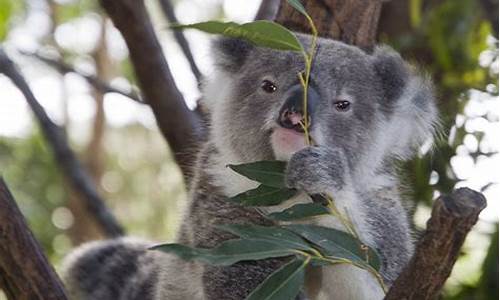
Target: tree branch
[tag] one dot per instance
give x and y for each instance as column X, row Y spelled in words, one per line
column 64, row 156
column 267, row 10
column 24, row 270
column 168, row 11
column 180, row 126
column 351, row 21
column 452, row 218
column 97, row 83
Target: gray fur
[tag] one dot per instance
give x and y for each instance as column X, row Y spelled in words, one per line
column 392, row 113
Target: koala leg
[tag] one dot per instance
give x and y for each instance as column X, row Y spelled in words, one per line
column 114, row 269
column 124, row 269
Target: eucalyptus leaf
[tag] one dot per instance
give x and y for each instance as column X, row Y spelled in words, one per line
column 283, row 284
column 269, row 173
column 269, row 233
column 229, row 252
column 6, row 9
column 261, row 33
column 298, row 6
column 337, row 244
column 300, row 211
column 263, row 196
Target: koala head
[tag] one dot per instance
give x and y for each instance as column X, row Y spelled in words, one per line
column 373, row 106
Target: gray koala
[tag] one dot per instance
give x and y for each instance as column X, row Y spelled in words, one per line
column 367, row 110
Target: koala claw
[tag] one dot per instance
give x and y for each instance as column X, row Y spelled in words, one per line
column 316, row 169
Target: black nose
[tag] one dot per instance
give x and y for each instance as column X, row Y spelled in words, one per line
column 292, row 114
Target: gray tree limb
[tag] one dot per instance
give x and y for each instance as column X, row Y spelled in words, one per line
column 168, row 11
column 64, row 156
column 267, row 10
column 97, row 83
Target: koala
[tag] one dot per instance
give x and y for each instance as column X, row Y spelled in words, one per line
column 367, row 112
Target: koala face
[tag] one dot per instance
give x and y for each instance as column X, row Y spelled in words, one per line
column 369, row 105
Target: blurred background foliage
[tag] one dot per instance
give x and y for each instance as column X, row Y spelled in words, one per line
column 455, row 41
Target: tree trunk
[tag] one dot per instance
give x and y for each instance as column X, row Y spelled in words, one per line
column 180, row 126
column 353, row 22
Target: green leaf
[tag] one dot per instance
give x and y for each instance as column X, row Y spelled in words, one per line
column 298, row 6
column 6, row 9
column 263, row 196
column 270, row 173
column 229, row 252
column 337, row 244
column 283, row 284
column 268, row 233
column 261, row 33
column 300, row 211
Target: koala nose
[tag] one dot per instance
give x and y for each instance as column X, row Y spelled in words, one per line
column 292, row 112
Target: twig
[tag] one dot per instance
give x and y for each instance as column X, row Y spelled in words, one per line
column 168, row 11
column 452, row 218
column 24, row 270
column 180, row 126
column 97, row 83
column 64, row 156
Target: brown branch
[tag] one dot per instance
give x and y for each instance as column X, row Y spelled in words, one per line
column 97, row 83
column 351, row 21
column 180, row 126
column 452, row 218
column 25, row 273
column 64, row 156
column 168, row 11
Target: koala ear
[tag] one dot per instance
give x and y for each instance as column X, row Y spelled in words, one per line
column 231, row 53
column 393, row 72
column 408, row 102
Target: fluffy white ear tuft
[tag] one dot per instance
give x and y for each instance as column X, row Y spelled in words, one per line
column 409, row 113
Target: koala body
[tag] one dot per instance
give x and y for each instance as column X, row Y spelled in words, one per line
column 369, row 111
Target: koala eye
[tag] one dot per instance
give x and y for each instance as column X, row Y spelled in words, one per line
column 342, row 105
column 268, row 86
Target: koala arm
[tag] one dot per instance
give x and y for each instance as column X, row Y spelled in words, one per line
column 317, row 170
column 376, row 212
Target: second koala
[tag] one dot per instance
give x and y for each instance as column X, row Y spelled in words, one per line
column 368, row 111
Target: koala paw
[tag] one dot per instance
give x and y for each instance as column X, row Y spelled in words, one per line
column 316, row 170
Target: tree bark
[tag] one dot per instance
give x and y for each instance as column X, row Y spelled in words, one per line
column 351, row 21
column 25, row 273
column 452, row 218
column 180, row 126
